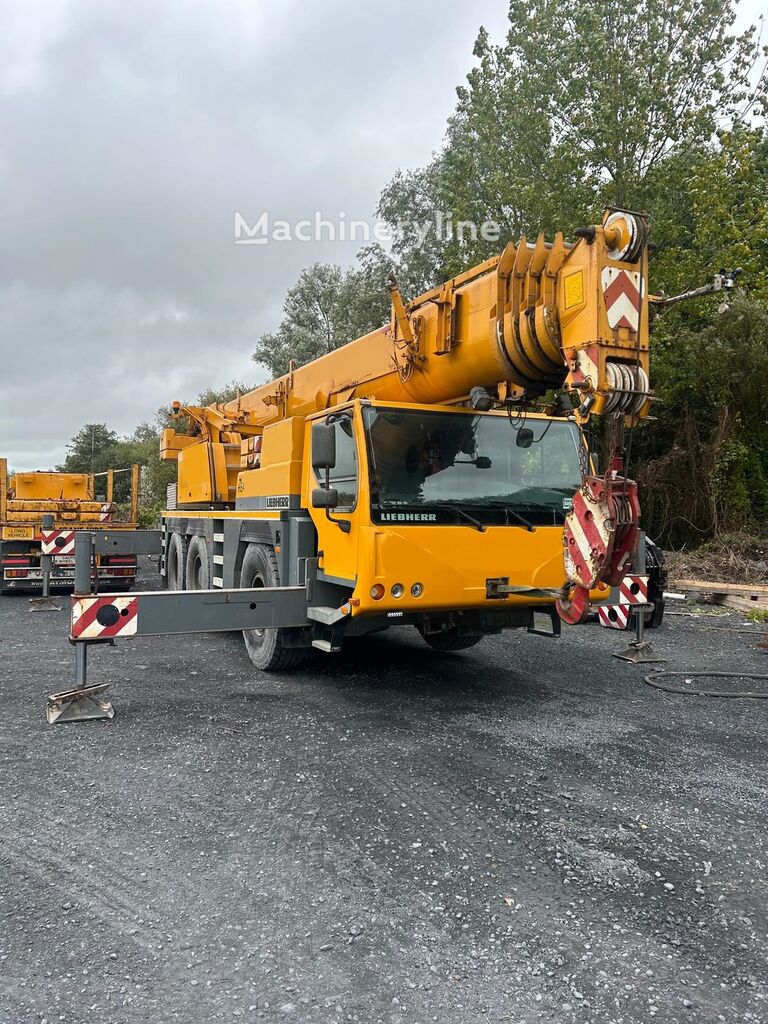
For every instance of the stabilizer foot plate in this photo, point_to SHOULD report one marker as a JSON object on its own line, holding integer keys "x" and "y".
{"x": 79, "y": 705}
{"x": 639, "y": 652}
{"x": 43, "y": 604}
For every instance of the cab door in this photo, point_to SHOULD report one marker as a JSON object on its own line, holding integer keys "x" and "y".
{"x": 338, "y": 526}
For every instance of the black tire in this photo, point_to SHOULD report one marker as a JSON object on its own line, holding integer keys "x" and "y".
{"x": 657, "y": 583}
{"x": 655, "y": 619}
{"x": 176, "y": 562}
{"x": 198, "y": 566}
{"x": 266, "y": 647}
{"x": 450, "y": 640}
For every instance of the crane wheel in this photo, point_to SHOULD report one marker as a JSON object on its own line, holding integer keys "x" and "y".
{"x": 198, "y": 566}
{"x": 449, "y": 640}
{"x": 176, "y": 562}
{"x": 267, "y": 648}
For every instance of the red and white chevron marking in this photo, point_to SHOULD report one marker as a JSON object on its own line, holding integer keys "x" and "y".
{"x": 57, "y": 542}
{"x": 622, "y": 291}
{"x": 100, "y": 618}
{"x": 613, "y": 616}
{"x": 633, "y": 590}
{"x": 106, "y": 512}
{"x": 587, "y": 536}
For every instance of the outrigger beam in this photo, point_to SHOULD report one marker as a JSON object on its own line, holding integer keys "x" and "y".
{"x": 105, "y": 618}
{"x": 155, "y": 613}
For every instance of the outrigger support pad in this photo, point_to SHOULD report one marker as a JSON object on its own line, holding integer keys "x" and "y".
{"x": 43, "y": 604}
{"x": 639, "y": 651}
{"x": 79, "y": 705}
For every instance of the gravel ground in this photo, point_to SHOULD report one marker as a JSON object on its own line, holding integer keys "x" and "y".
{"x": 521, "y": 832}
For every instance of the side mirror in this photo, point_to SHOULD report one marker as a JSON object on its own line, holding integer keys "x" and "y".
{"x": 524, "y": 437}
{"x": 323, "y": 447}
{"x": 483, "y": 462}
{"x": 325, "y": 497}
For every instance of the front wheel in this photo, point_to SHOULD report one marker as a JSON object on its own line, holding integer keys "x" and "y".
{"x": 267, "y": 648}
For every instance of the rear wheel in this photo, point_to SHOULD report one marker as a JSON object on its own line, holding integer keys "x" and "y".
{"x": 198, "y": 567}
{"x": 449, "y": 640}
{"x": 176, "y": 562}
{"x": 267, "y": 648}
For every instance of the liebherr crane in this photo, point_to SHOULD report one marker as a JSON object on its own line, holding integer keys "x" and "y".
{"x": 434, "y": 472}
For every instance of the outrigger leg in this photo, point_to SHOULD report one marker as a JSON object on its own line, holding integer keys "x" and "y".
{"x": 46, "y": 602}
{"x": 639, "y": 651}
{"x": 83, "y": 702}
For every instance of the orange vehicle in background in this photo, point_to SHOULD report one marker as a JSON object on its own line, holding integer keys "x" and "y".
{"x": 72, "y": 500}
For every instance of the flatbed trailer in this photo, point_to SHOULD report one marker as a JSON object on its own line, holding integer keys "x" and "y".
{"x": 70, "y": 498}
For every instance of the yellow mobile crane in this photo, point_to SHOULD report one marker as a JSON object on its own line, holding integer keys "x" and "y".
{"x": 433, "y": 472}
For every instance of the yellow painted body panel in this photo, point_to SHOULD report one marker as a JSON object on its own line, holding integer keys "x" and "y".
{"x": 208, "y": 472}
{"x": 84, "y": 508}
{"x": 453, "y": 564}
{"x": 60, "y": 515}
{"x": 281, "y": 462}
{"x": 171, "y": 443}
{"x": 69, "y": 497}
{"x": 47, "y": 486}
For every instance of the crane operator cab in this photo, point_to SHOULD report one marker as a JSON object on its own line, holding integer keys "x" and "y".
{"x": 421, "y": 511}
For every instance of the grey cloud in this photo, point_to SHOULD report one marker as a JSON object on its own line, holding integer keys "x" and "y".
{"x": 129, "y": 136}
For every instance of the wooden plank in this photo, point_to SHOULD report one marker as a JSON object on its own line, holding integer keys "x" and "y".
{"x": 741, "y": 604}
{"x": 706, "y": 587}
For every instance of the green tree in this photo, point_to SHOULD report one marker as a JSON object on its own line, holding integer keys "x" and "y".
{"x": 704, "y": 459}
{"x": 92, "y": 450}
{"x": 95, "y": 448}
{"x": 326, "y": 308}
{"x": 225, "y": 393}
{"x": 589, "y": 104}
{"x": 580, "y": 107}
{"x": 710, "y": 211}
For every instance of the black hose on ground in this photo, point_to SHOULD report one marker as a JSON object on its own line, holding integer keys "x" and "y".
{"x": 652, "y": 680}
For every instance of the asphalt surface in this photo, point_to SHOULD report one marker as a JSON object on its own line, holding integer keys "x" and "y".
{"x": 521, "y": 832}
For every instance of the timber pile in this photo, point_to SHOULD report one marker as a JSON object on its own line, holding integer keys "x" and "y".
{"x": 743, "y": 597}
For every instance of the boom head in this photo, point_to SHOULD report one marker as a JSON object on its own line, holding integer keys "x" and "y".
{"x": 560, "y": 316}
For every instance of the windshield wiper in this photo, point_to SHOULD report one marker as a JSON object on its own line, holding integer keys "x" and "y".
{"x": 460, "y": 512}
{"x": 509, "y": 511}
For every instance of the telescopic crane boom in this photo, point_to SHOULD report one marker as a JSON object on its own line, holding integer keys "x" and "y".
{"x": 541, "y": 316}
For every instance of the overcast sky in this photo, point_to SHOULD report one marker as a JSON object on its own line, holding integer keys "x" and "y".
{"x": 131, "y": 133}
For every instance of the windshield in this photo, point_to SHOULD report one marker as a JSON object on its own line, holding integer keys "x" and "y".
{"x": 483, "y": 464}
